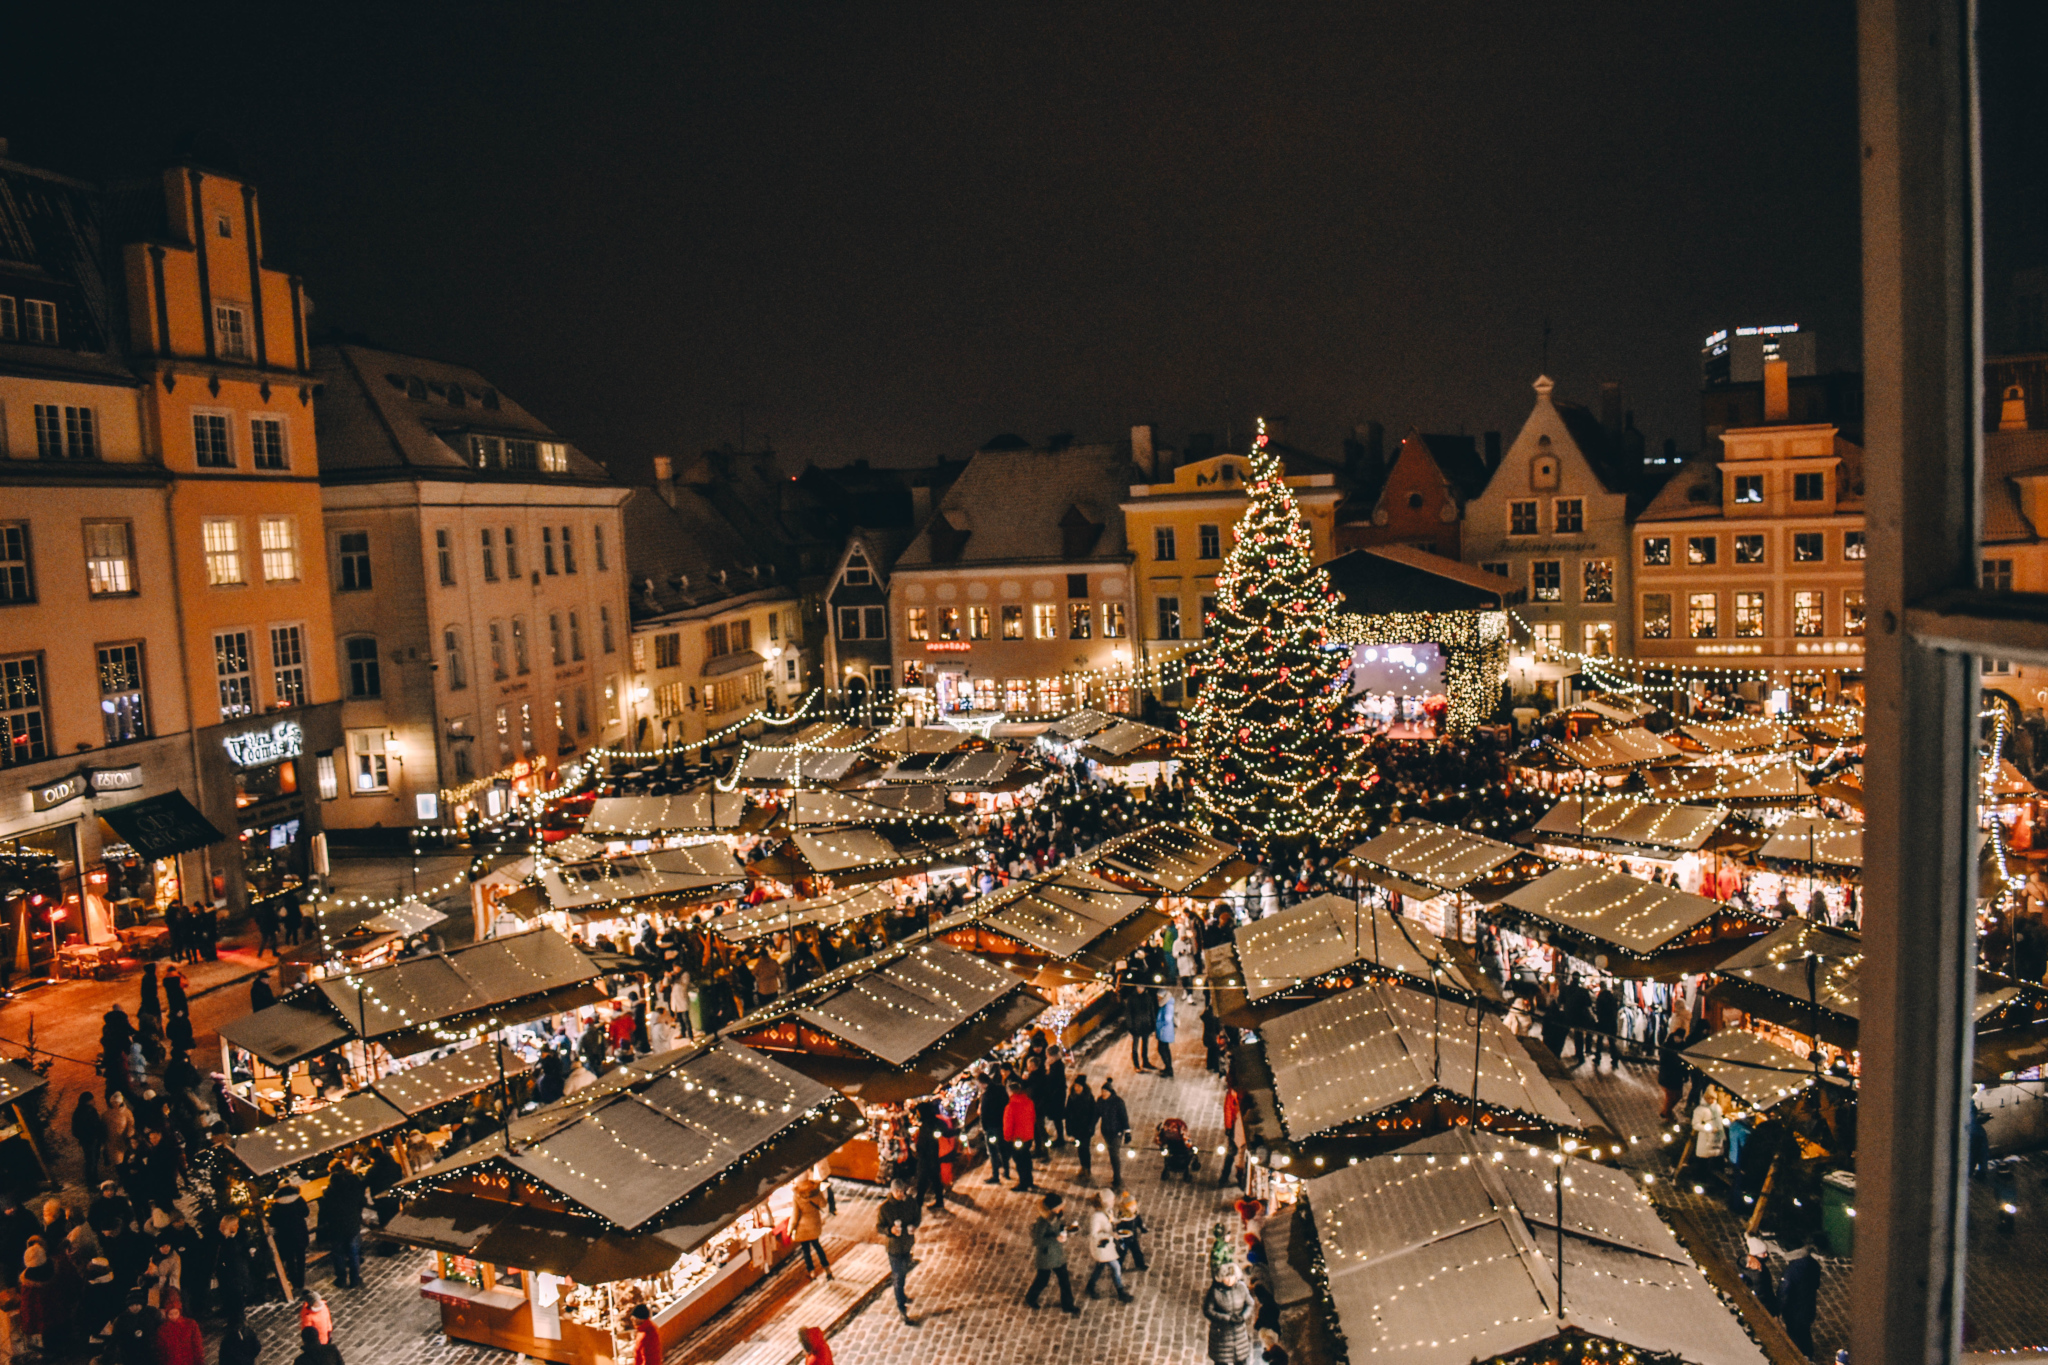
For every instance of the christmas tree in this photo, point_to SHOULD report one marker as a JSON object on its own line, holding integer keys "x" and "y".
{"x": 1266, "y": 750}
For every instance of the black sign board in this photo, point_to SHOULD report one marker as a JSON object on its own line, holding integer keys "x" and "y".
{"x": 159, "y": 826}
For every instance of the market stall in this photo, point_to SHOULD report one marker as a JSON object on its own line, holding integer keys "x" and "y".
{"x": 1133, "y": 753}
{"x": 1170, "y": 860}
{"x": 1612, "y": 924}
{"x": 1378, "y": 1066}
{"x": 1455, "y": 1248}
{"x": 799, "y": 767}
{"x": 862, "y": 806}
{"x": 1743, "y": 735}
{"x": 1318, "y": 948}
{"x": 704, "y": 810}
{"x": 1719, "y": 780}
{"x": 1615, "y": 753}
{"x": 660, "y": 1185}
{"x": 825, "y": 912}
{"x": 1808, "y": 856}
{"x": 598, "y": 893}
{"x": 1435, "y": 867}
{"x": 1660, "y": 836}
{"x": 849, "y": 855}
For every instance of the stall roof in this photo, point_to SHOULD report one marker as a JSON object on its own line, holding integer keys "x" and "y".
{"x": 797, "y": 767}
{"x": 1329, "y": 933}
{"x": 1616, "y": 708}
{"x": 1748, "y": 735}
{"x": 910, "y": 1002}
{"x": 1660, "y": 827}
{"x": 1777, "y": 963}
{"x": 919, "y": 739}
{"x": 1841, "y": 727}
{"x": 834, "y": 734}
{"x": 405, "y": 920}
{"x": 1059, "y": 913}
{"x": 1609, "y": 906}
{"x": 1730, "y": 782}
{"x": 1348, "y": 1057}
{"x": 702, "y": 810}
{"x": 649, "y": 1140}
{"x": 1806, "y": 838}
{"x": 967, "y": 767}
{"x": 304, "y": 1137}
{"x": 1609, "y": 749}
{"x": 1172, "y": 858}
{"x": 467, "y": 1071}
{"x": 577, "y": 1248}
{"x": 1429, "y": 859}
{"x": 574, "y": 848}
{"x": 289, "y": 1031}
{"x": 1751, "y": 1067}
{"x": 867, "y": 805}
{"x": 1122, "y": 740}
{"x": 17, "y": 1080}
{"x": 844, "y": 852}
{"x": 772, "y": 917}
{"x": 1439, "y": 1253}
{"x": 161, "y": 826}
{"x": 417, "y": 993}
{"x": 699, "y": 871}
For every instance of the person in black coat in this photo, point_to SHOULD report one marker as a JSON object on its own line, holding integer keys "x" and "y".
{"x": 995, "y": 1097}
{"x": 1141, "y": 1014}
{"x": 1606, "y": 1022}
{"x": 554, "y": 1072}
{"x": 261, "y": 996}
{"x": 341, "y": 1223}
{"x": 1799, "y": 1297}
{"x": 930, "y": 1179}
{"x": 1671, "y": 1070}
{"x": 234, "y": 1268}
{"x": 1081, "y": 1113}
{"x": 1115, "y": 1121}
{"x": 288, "y": 1214}
{"x": 1054, "y": 1110}
{"x": 89, "y": 1131}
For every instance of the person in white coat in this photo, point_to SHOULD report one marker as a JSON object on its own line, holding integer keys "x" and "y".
{"x": 1710, "y": 1131}
{"x": 1102, "y": 1246}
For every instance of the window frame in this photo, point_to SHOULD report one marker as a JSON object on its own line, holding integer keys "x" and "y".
{"x": 1752, "y": 547}
{"x": 35, "y": 715}
{"x": 1702, "y": 551}
{"x": 1649, "y": 632}
{"x": 1516, "y": 507}
{"x": 1165, "y": 549}
{"x": 365, "y": 670}
{"x": 1210, "y": 535}
{"x": 17, "y": 568}
{"x": 1568, "y": 516}
{"x": 219, "y": 557}
{"x": 229, "y": 680}
{"x": 109, "y": 715}
{"x": 1553, "y": 589}
{"x": 259, "y": 456}
{"x": 1816, "y": 541}
{"x": 1650, "y": 563}
{"x": 348, "y": 562}
{"x": 204, "y": 456}
{"x": 126, "y": 559}
{"x": 1166, "y": 617}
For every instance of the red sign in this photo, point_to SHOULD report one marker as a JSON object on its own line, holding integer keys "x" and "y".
{"x": 948, "y": 647}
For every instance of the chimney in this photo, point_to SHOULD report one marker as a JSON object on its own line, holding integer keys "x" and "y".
{"x": 2012, "y": 413}
{"x": 1492, "y": 447}
{"x": 1142, "y": 453}
{"x": 1777, "y": 391}
{"x": 1610, "y": 407}
{"x": 665, "y": 478}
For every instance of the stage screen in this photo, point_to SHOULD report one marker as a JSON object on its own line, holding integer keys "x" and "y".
{"x": 1403, "y": 670}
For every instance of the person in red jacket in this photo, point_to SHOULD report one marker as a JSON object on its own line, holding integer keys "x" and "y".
{"x": 816, "y": 1352}
{"x": 646, "y": 1337}
{"x": 178, "y": 1341}
{"x": 1020, "y": 1130}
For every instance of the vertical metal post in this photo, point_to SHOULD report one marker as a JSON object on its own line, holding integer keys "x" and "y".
{"x": 1921, "y": 354}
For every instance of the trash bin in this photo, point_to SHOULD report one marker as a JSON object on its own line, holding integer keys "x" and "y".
{"x": 1838, "y": 1212}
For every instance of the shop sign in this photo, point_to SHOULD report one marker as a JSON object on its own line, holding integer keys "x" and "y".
{"x": 126, "y": 779}
{"x": 58, "y": 792}
{"x": 94, "y": 780}
{"x": 254, "y": 748}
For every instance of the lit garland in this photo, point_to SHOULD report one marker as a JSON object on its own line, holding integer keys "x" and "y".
{"x": 1475, "y": 646}
{"x": 1265, "y": 736}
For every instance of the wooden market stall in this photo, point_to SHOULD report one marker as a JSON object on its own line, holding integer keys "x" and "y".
{"x": 1666, "y": 836}
{"x": 1436, "y": 868}
{"x": 1169, "y": 860}
{"x": 704, "y": 810}
{"x": 1622, "y": 926}
{"x": 1321, "y": 947}
{"x": 662, "y": 1184}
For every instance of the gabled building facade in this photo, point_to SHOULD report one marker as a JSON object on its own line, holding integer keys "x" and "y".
{"x": 860, "y": 651}
{"x": 1420, "y": 501}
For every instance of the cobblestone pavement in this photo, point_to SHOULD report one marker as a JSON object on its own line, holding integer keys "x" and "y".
{"x": 383, "y": 1323}
{"x": 973, "y": 1268}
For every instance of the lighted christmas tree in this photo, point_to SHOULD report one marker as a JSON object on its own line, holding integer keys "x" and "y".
{"x": 1266, "y": 751}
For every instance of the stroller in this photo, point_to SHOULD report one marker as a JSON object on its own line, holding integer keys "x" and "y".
{"x": 1181, "y": 1157}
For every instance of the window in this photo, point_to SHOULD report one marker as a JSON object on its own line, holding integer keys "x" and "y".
{"x": 670, "y": 700}
{"x": 575, "y": 637}
{"x": 485, "y": 452}
{"x": 232, "y": 666}
{"x": 121, "y": 708}
{"x": 668, "y": 649}
{"x": 1169, "y": 618}
{"x": 224, "y": 225}
{"x": 24, "y": 737}
{"x": 1806, "y": 547}
{"x": 1113, "y": 621}
{"x": 526, "y": 727}
{"x": 1212, "y": 540}
{"x": 1749, "y": 614}
{"x": 223, "y": 541}
{"x": 523, "y": 456}
{"x": 1549, "y": 638}
{"x": 1571, "y": 515}
{"x": 368, "y": 760}
{"x": 1749, "y": 488}
{"x": 582, "y": 696}
{"x": 1162, "y": 542}
{"x": 1852, "y": 612}
{"x": 288, "y": 664}
{"x": 365, "y": 676}
{"x": 496, "y": 635}
{"x": 1208, "y": 616}
{"x": 611, "y": 699}
{"x": 554, "y": 459}
{"x": 266, "y": 442}
{"x": 1080, "y": 621}
{"x": 857, "y": 571}
{"x": 604, "y": 630}
{"x": 10, "y": 320}
{"x": 520, "y": 660}
{"x": 1656, "y": 551}
{"x": 849, "y": 623}
{"x": 1016, "y": 694}
{"x": 1703, "y": 615}
{"x": 876, "y": 622}
{"x": 1013, "y": 623}
{"x": 1598, "y": 637}
{"x": 1809, "y": 487}
{"x": 17, "y": 584}
{"x": 1598, "y": 576}
{"x": 1045, "y": 621}
{"x": 230, "y": 331}
{"x": 352, "y": 558}
{"x": 325, "y": 774}
{"x": 210, "y": 441}
{"x": 547, "y": 549}
{"x": 917, "y": 624}
{"x": 109, "y": 559}
{"x": 1656, "y": 616}
{"x": 555, "y": 638}
{"x": 1749, "y": 549}
{"x": 949, "y": 623}
{"x": 1500, "y": 568}
{"x": 444, "y": 557}
{"x": 1852, "y": 545}
{"x": 568, "y": 549}
{"x": 978, "y": 622}
{"x": 1522, "y": 518}
{"x": 1546, "y": 580}
{"x": 278, "y": 538}
{"x": 984, "y": 694}
{"x": 1998, "y": 575}
{"x": 597, "y": 547}
{"x": 511, "y": 553}
{"x": 1808, "y": 616}
{"x": 66, "y": 433}
{"x": 1702, "y": 549}
{"x": 39, "y": 321}
{"x": 451, "y": 656}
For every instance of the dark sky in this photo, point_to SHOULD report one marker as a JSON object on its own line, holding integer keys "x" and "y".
{"x": 891, "y": 231}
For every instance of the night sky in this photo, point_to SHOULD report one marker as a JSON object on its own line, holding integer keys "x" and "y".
{"x": 892, "y": 232}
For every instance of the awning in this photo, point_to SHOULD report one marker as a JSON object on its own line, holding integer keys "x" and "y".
{"x": 308, "y": 1136}
{"x": 738, "y": 662}
{"x": 528, "y": 1238}
{"x": 1754, "y": 1069}
{"x": 421, "y": 1089}
{"x": 162, "y": 826}
{"x": 405, "y": 920}
{"x": 17, "y": 1080}
{"x": 287, "y": 1032}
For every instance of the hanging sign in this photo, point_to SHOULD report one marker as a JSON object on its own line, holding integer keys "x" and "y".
{"x": 254, "y": 748}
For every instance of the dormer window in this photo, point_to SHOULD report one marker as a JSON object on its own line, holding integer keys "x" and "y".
{"x": 485, "y": 452}
{"x": 456, "y": 397}
{"x": 554, "y": 457}
{"x": 857, "y": 571}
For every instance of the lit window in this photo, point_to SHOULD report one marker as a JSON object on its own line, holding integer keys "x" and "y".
{"x": 266, "y": 442}
{"x": 1749, "y": 488}
{"x": 1749, "y": 549}
{"x": 231, "y": 665}
{"x": 109, "y": 559}
{"x": 1852, "y": 545}
{"x": 1598, "y": 575}
{"x": 977, "y": 623}
{"x": 1656, "y": 616}
{"x": 122, "y": 712}
{"x": 279, "y": 540}
{"x": 554, "y": 459}
{"x": 24, "y": 734}
{"x": 1549, "y": 638}
{"x": 223, "y": 540}
{"x": 368, "y": 761}
{"x": 1702, "y": 549}
{"x": 917, "y": 624}
{"x": 17, "y": 583}
{"x": 1808, "y": 616}
{"x": 1656, "y": 551}
{"x": 1703, "y": 615}
{"x": 1112, "y": 620}
{"x": 1749, "y": 614}
{"x": 1045, "y": 621}
{"x": 1598, "y": 637}
{"x": 1080, "y": 621}
{"x": 365, "y": 677}
{"x": 326, "y": 776}
{"x": 1546, "y": 580}
{"x": 1013, "y": 623}
{"x": 210, "y": 441}
{"x": 949, "y": 623}
{"x": 288, "y": 664}
{"x": 1852, "y": 612}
